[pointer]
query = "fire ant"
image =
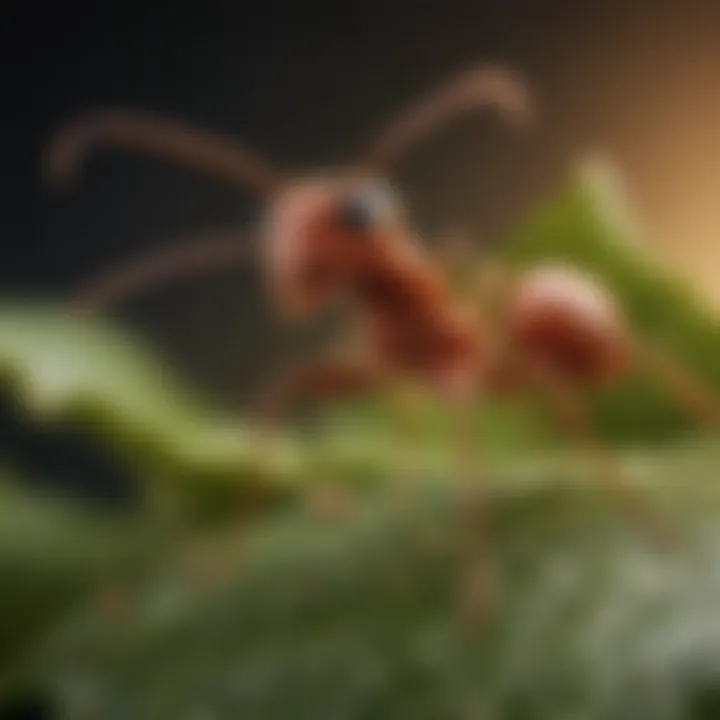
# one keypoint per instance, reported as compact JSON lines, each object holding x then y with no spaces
{"x":344,"y":236}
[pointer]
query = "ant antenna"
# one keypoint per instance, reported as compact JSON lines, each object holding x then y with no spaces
{"x":148,"y":133}
{"x":490,"y":86}
{"x":168,"y":263}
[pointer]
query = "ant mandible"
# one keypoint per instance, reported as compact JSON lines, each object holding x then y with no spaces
{"x":343,"y":235}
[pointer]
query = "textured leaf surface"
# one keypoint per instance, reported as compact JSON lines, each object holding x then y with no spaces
{"x":359,"y":618}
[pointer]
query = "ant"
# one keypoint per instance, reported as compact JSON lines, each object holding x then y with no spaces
{"x":343,"y":235}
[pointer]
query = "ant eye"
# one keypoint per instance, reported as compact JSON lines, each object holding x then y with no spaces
{"x":363,"y":211}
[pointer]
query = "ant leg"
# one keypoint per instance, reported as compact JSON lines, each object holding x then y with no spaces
{"x":458,"y":256}
{"x":407,"y":414}
{"x":694,"y":397}
{"x":570,"y":411}
{"x":183,"y":259}
{"x":325,"y":378}
{"x":328,"y":378}
{"x":148,"y":133}
{"x":482,"y":277}
{"x":479,"y":583}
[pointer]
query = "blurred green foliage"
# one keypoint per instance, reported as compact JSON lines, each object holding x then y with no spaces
{"x":315,"y":617}
{"x":51,"y":554}
{"x":338,"y":598}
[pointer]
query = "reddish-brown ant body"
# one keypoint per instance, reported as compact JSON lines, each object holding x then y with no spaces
{"x":343,"y":236}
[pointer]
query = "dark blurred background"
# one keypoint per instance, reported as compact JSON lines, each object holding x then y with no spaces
{"x":305,"y":84}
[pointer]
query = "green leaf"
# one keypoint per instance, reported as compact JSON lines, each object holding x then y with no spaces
{"x":63,"y":371}
{"x":320,"y":618}
{"x":66,"y":367}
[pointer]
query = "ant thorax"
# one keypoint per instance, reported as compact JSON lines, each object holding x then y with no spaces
{"x":410,"y":315}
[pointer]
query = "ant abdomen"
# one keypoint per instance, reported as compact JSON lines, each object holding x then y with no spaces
{"x":566,"y":320}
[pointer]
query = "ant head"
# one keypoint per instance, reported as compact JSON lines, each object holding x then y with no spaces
{"x":324,"y":233}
